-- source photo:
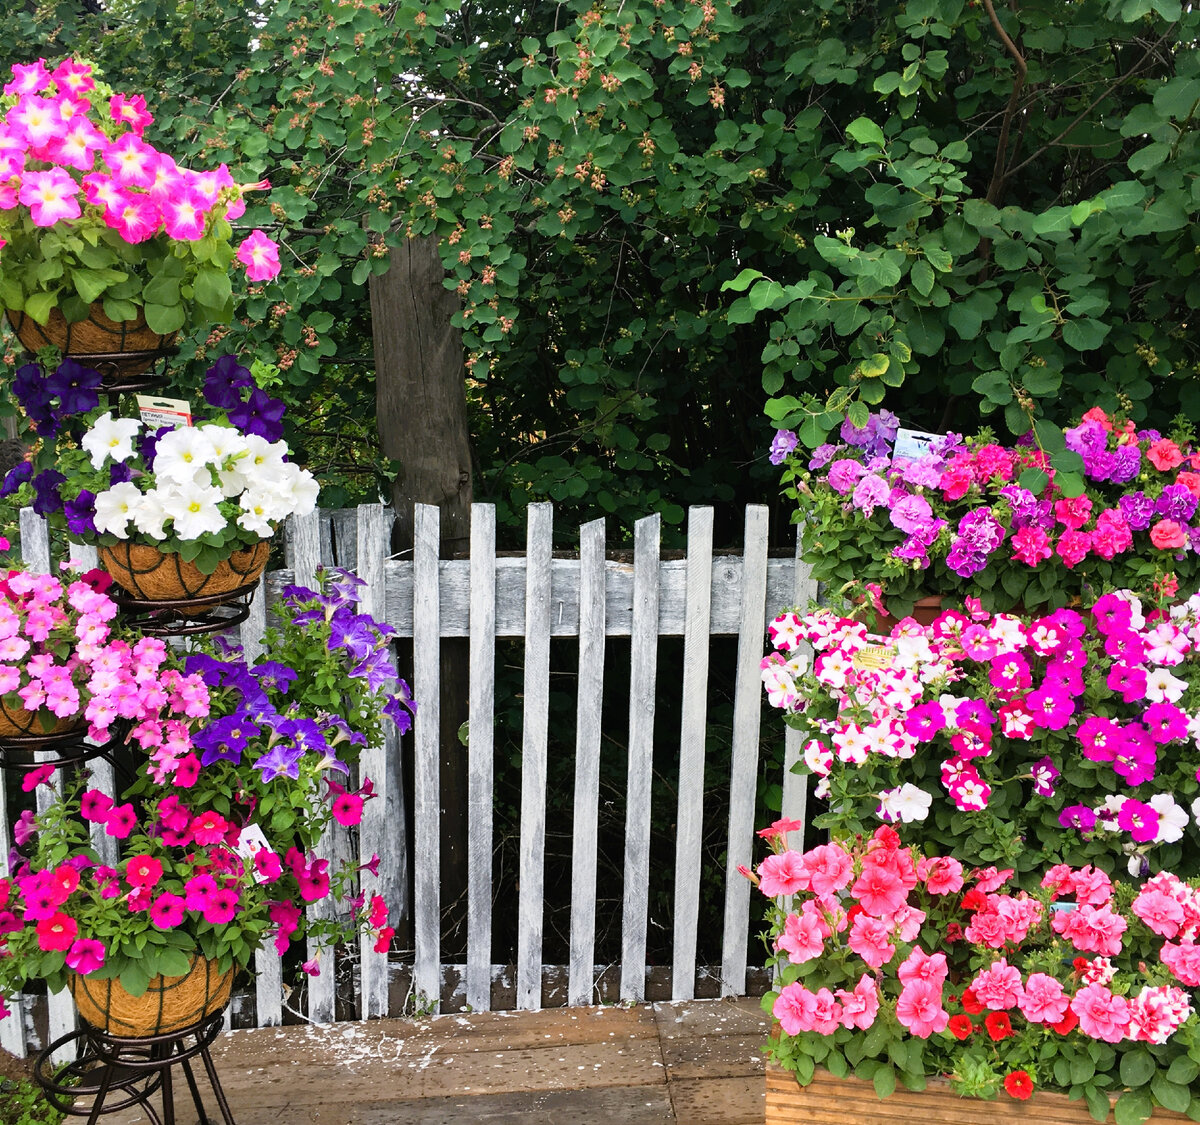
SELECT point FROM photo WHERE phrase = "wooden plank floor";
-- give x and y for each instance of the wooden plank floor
(697, 1062)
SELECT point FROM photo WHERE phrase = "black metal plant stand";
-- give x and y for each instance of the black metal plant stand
(185, 617)
(112, 1073)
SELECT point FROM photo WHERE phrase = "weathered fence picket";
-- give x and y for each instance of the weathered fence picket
(535, 597)
(535, 738)
(690, 811)
(589, 705)
(480, 744)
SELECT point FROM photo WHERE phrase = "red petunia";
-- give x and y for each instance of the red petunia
(974, 899)
(1019, 1085)
(1066, 1024)
(960, 1027)
(998, 1025)
(970, 1004)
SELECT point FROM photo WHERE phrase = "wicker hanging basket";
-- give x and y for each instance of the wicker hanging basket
(152, 575)
(167, 1005)
(128, 346)
(19, 722)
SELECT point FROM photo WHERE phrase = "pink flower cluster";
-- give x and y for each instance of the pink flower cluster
(973, 683)
(215, 874)
(873, 900)
(52, 152)
(101, 678)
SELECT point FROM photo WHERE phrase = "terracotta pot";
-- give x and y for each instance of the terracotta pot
(168, 1004)
(154, 576)
(847, 1101)
(96, 336)
(16, 722)
(925, 610)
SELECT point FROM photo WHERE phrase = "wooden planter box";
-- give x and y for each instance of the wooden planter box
(847, 1101)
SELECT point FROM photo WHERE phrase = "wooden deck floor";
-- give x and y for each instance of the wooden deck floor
(697, 1062)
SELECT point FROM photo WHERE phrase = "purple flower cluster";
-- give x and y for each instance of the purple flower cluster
(876, 437)
(261, 715)
(50, 399)
(979, 534)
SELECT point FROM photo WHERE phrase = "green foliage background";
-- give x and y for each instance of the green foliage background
(944, 205)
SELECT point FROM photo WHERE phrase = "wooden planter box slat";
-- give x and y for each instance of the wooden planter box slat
(848, 1101)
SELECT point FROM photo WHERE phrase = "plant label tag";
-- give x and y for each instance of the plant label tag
(912, 445)
(156, 412)
(250, 843)
(874, 657)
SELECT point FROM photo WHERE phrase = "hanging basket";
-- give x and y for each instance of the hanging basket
(151, 575)
(120, 350)
(18, 722)
(827, 1100)
(168, 1004)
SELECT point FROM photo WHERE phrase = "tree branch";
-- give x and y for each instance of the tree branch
(999, 175)
(1112, 89)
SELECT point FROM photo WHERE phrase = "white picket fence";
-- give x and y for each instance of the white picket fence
(535, 597)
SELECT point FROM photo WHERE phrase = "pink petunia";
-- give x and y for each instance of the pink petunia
(801, 939)
(50, 197)
(794, 1008)
(879, 890)
(1043, 999)
(1102, 1014)
(260, 256)
(783, 873)
(919, 1008)
(998, 987)
(870, 939)
(86, 955)
(860, 1007)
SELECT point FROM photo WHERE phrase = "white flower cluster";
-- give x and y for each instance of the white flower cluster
(195, 468)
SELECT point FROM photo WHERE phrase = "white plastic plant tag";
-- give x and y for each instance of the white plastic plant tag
(249, 844)
(156, 412)
(912, 445)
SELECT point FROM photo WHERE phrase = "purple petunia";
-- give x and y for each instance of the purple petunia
(782, 444)
(260, 414)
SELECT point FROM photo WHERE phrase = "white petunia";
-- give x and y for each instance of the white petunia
(255, 518)
(115, 507)
(908, 803)
(184, 456)
(264, 459)
(300, 488)
(149, 516)
(110, 437)
(1172, 819)
(193, 509)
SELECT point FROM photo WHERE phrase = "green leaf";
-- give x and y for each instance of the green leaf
(212, 288)
(865, 132)
(884, 1081)
(1170, 1095)
(164, 319)
(1137, 1067)
(1098, 1104)
(1084, 335)
(1035, 480)
(922, 277)
(1183, 1070)
(740, 283)
(38, 305)
(1133, 1107)
(1082, 1070)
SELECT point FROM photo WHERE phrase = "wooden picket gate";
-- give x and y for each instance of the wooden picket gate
(535, 597)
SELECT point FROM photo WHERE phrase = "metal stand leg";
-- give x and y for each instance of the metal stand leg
(112, 1073)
